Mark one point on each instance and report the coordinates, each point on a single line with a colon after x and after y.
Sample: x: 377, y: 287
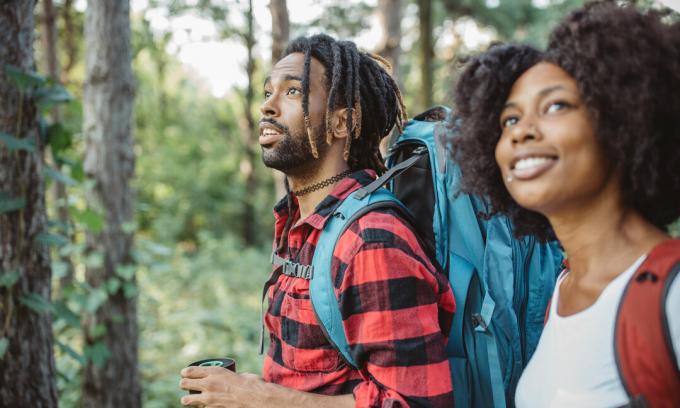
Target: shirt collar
x: 328, y: 205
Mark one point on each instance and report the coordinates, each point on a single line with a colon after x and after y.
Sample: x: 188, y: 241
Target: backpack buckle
x: 478, y: 322
x: 298, y: 270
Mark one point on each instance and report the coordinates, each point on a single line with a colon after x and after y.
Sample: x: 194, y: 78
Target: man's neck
x: 308, y: 202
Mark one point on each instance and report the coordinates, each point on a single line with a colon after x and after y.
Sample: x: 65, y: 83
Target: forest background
x: 172, y: 272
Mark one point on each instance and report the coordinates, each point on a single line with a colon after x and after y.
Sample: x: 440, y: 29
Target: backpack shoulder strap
x: 644, y: 352
x: 321, y: 289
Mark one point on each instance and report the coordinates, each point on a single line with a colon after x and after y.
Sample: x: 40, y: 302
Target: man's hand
x: 219, y: 387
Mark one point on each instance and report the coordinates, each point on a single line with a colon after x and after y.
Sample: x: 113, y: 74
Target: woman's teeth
x: 530, y: 162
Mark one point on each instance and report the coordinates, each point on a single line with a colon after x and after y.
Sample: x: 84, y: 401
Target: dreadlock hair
x: 359, y: 82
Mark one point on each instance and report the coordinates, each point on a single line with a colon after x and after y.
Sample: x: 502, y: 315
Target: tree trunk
x: 280, y: 28
x: 108, y: 98
x: 69, y: 40
x: 27, y: 368
x: 60, y: 193
x: 390, y: 20
x: 280, y: 37
x: 427, y: 53
x: 250, y: 137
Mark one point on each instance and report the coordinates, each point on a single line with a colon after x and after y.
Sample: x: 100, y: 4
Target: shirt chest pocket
x: 304, y: 346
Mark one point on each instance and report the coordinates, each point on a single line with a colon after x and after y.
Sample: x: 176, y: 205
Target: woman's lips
x: 532, y: 167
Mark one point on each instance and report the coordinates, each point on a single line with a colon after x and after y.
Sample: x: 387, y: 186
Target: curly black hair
x: 359, y: 82
x: 627, y: 67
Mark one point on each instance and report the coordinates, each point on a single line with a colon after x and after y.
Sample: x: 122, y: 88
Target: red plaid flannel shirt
x: 396, y: 307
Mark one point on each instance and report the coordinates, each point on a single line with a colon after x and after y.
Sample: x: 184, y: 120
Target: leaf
x: 14, y: 143
x: 24, y: 80
x: 112, y: 285
x: 8, y: 279
x: 50, y: 239
x: 9, y: 203
x: 71, y: 352
x: 53, y: 95
x: 36, y: 303
x: 95, y: 299
x: 59, y: 138
x: 98, y: 331
x: 90, y: 218
x: 4, y: 344
x: 62, y: 311
x: 130, y: 290
x: 94, y: 260
x: 56, y: 175
x: 125, y: 271
x: 129, y: 227
x: 98, y: 353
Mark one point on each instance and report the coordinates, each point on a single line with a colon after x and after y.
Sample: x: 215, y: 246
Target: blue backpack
x: 502, y: 285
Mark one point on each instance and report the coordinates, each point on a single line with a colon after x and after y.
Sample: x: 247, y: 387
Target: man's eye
x: 294, y: 91
x: 556, y: 107
x: 267, y: 94
x: 509, y: 121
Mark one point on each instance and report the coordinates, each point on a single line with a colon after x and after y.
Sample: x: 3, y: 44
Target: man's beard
x: 292, y: 154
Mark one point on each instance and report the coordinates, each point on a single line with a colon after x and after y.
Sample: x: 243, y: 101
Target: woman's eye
x: 556, y: 107
x: 509, y: 121
x: 267, y: 94
x: 294, y: 91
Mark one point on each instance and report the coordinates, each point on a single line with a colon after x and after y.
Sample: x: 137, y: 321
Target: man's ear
x: 338, y: 124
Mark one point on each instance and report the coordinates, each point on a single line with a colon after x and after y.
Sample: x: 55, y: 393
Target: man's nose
x: 268, y: 108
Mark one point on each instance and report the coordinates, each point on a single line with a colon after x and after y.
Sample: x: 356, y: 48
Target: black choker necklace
x: 322, y: 184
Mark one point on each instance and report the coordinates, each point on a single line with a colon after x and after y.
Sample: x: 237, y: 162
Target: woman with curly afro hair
x: 582, y: 142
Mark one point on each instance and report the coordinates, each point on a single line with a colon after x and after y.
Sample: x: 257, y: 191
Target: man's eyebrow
x: 289, y: 77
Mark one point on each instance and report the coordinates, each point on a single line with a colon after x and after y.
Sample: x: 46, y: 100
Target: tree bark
x: 108, y: 98
x: 60, y: 193
x: 250, y: 136
x: 280, y: 37
x: 426, y: 53
x: 69, y: 40
x: 280, y: 28
x: 27, y: 369
x: 389, y: 12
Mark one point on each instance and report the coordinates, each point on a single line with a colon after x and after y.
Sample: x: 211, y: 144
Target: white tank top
x: 574, y: 363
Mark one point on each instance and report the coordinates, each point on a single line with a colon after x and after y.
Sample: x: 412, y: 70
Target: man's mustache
x: 281, y: 127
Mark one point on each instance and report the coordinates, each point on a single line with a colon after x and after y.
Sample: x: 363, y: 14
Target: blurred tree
x: 27, y: 367
x: 341, y: 19
x: 426, y: 53
x: 280, y: 28
x: 111, y: 374
x: 280, y: 37
x: 60, y: 193
x: 249, y: 132
x: 390, y: 13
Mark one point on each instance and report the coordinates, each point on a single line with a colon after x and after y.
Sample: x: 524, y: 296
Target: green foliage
x: 8, y: 278
x: 9, y: 203
x: 35, y: 302
x: 13, y: 143
x: 24, y: 80
x: 4, y: 343
x: 198, y: 304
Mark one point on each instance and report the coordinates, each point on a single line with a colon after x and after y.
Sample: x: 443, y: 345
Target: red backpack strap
x: 644, y: 352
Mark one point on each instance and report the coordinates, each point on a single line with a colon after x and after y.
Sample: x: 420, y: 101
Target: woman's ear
x: 338, y: 124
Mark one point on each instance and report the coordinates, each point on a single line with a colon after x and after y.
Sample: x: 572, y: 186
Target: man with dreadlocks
x: 326, y: 108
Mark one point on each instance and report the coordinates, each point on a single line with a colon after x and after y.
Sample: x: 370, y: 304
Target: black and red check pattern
x: 396, y: 307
